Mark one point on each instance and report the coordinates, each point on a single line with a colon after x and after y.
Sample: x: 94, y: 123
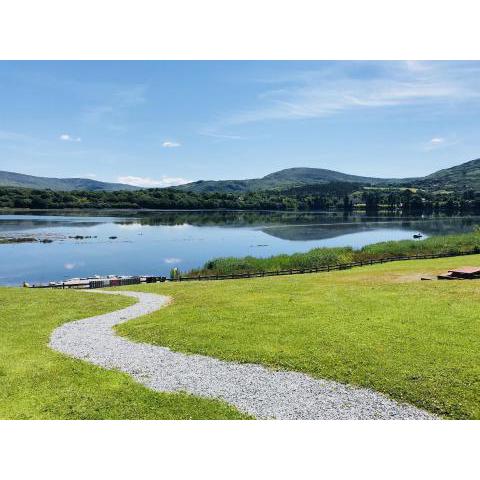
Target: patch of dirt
x: 412, y: 277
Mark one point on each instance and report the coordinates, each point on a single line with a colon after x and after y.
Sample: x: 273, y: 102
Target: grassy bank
x: 378, y: 327
x: 318, y: 257
x: 37, y: 383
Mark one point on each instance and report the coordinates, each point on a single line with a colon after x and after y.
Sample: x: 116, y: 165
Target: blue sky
x: 162, y: 123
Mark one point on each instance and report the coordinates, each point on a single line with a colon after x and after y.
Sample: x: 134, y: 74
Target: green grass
x: 37, y: 383
x: 318, y: 257
x: 378, y: 327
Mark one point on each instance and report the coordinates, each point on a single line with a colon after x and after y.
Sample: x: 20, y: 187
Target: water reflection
x: 153, y: 242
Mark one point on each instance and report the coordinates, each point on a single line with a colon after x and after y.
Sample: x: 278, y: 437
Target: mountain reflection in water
x: 152, y: 242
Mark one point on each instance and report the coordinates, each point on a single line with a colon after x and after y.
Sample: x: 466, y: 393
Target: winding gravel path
x: 253, y: 389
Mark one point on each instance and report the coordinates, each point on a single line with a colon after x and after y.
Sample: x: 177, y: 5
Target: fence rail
x: 324, y: 268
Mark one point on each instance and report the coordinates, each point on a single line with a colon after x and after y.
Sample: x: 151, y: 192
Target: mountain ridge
x: 463, y: 176
x: 21, y: 180
x: 286, y: 178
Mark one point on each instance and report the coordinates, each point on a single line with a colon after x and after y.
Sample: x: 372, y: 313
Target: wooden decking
x: 462, y: 273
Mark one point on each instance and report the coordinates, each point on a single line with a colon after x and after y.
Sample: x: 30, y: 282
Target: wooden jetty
x: 462, y: 273
x: 99, y: 282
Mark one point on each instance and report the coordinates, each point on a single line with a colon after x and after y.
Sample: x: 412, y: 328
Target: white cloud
x: 68, y: 138
x: 172, y: 260
x: 440, y: 142
x: 171, y: 144
x: 147, y: 182
x: 324, y: 101
x: 341, y: 88
x: 89, y: 175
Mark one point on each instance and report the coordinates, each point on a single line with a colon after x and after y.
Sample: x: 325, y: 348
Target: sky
x: 162, y: 123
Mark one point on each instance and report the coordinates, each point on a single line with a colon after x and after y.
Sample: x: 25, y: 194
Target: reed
x: 319, y: 257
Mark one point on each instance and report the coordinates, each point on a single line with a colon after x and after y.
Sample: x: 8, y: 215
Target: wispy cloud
x: 168, y: 144
x: 65, y: 137
x: 342, y: 88
x: 116, y: 103
x: 104, y: 103
x: 147, y: 182
x: 222, y: 136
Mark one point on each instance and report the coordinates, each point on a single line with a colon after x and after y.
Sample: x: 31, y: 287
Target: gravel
x: 253, y: 389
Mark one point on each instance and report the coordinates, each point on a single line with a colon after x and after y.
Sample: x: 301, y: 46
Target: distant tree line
x: 416, y: 202
x: 333, y: 196
x: 157, y: 198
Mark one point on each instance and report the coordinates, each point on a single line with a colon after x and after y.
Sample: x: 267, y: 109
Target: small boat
x: 417, y: 235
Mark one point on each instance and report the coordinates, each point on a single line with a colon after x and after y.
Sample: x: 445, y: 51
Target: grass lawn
x: 378, y: 326
x: 37, y: 383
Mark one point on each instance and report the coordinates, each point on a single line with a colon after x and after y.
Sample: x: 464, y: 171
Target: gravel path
x: 253, y: 389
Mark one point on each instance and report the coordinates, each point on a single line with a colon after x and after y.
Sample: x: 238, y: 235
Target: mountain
x: 283, y: 179
x: 11, y: 179
x: 461, y: 177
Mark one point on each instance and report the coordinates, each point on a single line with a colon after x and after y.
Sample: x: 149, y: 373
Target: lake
x: 153, y: 242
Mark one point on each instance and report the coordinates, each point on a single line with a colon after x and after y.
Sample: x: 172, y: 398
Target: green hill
x: 461, y: 177
x: 11, y: 179
x: 288, y: 178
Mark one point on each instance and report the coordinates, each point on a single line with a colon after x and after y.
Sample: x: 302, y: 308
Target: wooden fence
x: 102, y: 283
x: 326, y: 268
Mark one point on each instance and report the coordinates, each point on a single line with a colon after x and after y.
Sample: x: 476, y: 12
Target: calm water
x: 154, y: 242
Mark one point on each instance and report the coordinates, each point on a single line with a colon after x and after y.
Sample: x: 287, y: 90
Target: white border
x: 247, y: 29
x: 239, y: 450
